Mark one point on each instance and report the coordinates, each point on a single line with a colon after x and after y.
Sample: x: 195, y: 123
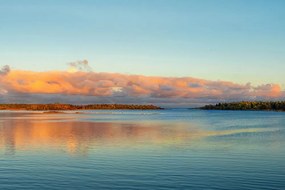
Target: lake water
x: 159, y: 149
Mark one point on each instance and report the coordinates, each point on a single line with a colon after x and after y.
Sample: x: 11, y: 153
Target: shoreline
x: 70, y: 107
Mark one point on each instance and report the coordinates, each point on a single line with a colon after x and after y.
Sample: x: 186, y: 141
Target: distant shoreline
x: 247, y: 106
x: 71, y: 107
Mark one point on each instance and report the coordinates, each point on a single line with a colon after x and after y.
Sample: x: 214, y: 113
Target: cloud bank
x: 82, y: 85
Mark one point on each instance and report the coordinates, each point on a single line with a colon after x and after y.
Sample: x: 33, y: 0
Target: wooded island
x: 58, y: 106
x: 245, y: 105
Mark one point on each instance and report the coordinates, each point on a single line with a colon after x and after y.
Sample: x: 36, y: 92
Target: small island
x: 248, y: 105
x: 59, y: 106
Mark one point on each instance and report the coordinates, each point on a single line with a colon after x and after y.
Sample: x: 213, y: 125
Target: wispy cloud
x: 79, y: 66
x: 5, y: 70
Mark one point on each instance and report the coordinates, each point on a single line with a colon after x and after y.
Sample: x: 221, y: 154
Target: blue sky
x: 239, y: 40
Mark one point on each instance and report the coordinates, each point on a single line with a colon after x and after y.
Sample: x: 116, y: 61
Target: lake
x: 156, y: 149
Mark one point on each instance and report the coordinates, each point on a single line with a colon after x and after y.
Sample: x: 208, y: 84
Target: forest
x: 59, y: 106
x: 248, y: 105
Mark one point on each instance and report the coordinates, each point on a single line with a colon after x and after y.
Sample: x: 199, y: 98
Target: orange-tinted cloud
x: 268, y: 90
x: 143, y: 88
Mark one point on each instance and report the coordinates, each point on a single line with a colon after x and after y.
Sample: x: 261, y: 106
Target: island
x: 248, y: 105
x: 59, y: 106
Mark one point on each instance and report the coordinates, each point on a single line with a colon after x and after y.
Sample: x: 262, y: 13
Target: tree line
x: 59, y: 106
x: 248, y: 105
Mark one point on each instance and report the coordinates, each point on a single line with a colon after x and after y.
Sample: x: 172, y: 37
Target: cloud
x: 5, y: 70
x: 79, y: 66
x: 268, y: 90
x: 95, y: 87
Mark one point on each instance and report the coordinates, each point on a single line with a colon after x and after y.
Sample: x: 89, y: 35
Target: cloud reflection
x: 25, y: 132
x: 79, y: 137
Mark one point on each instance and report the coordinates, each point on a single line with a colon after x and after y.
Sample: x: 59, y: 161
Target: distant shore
x: 248, y: 105
x: 66, y: 107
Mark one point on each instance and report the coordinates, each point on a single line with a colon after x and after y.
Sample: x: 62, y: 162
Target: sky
x: 237, y: 42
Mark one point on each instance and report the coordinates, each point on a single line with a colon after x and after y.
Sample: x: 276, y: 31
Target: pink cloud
x: 142, y: 88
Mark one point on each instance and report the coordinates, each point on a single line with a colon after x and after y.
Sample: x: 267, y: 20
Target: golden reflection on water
x: 77, y: 137
x: 74, y: 136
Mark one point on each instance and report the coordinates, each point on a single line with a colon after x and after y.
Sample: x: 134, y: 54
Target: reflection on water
x: 166, y: 149
x: 76, y: 137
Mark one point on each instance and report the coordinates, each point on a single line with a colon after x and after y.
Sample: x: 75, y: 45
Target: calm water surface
x: 163, y: 149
